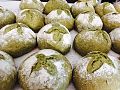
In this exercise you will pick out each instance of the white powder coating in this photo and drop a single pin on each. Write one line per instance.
(54, 15)
(27, 36)
(31, 4)
(1, 12)
(62, 16)
(85, 18)
(8, 58)
(110, 7)
(21, 15)
(5, 13)
(83, 21)
(6, 65)
(31, 17)
(41, 79)
(105, 71)
(30, 1)
(93, 2)
(104, 8)
(117, 6)
(47, 52)
(81, 5)
(91, 35)
(43, 35)
(115, 34)
(112, 17)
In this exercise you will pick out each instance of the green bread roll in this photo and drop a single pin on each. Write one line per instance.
(45, 70)
(88, 21)
(111, 21)
(6, 17)
(63, 17)
(117, 6)
(88, 41)
(56, 4)
(115, 38)
(31, 4)
(8, 72)
(32, 18)
(92, 2)
(81, 7)
(54, 36)
(104, 8)
(17, 39)
(96, 71)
